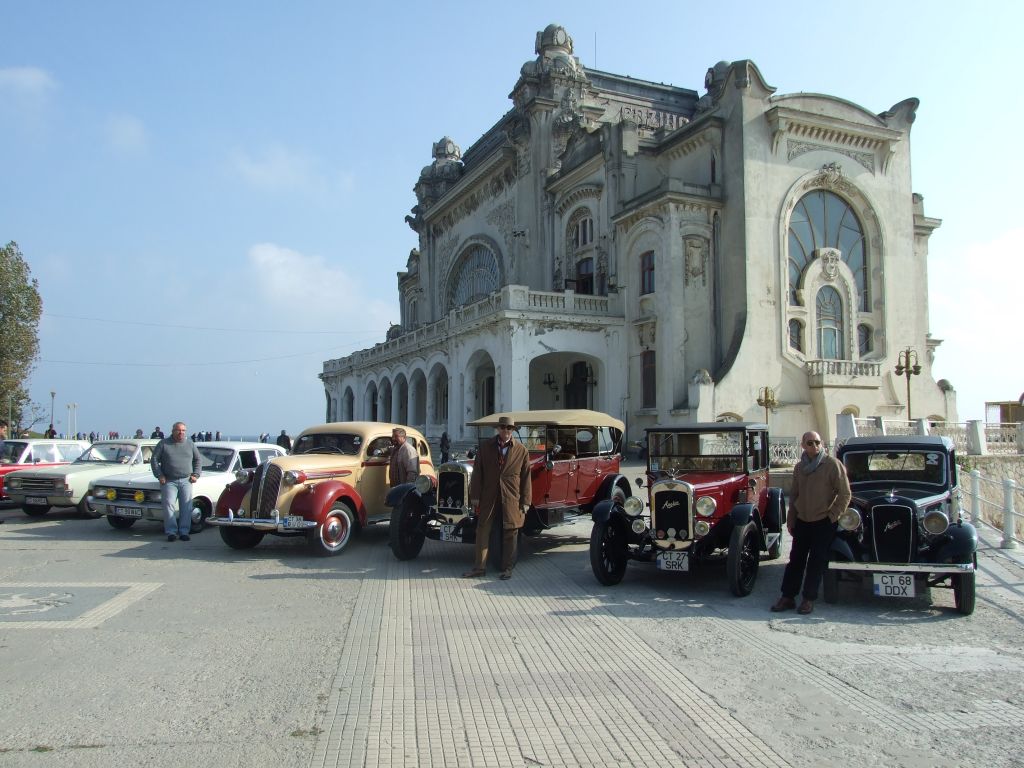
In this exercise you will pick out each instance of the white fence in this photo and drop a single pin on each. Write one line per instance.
(1005, 515)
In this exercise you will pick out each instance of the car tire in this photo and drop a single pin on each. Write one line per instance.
(120, 523)
(199, 521)
(743, 560)
(87, 510)
(964, 592)
(240, 538)
(608, 552)
(830, 586)
(334, 533)
(404, 534)
(35, 510)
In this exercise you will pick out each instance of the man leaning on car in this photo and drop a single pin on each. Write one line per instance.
(176, 464)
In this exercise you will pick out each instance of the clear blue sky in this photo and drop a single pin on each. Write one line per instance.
(212, 194)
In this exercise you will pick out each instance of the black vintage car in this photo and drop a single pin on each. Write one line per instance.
(905, 526)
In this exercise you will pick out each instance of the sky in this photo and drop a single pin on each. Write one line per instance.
(212, 194)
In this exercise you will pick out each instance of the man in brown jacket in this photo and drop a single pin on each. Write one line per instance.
(820, 494)
(500, 490)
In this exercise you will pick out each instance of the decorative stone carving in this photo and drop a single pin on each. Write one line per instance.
(701, 376)
(714, 82)
(502, 216)
(829, 258)
(797, 148)
(697, 251)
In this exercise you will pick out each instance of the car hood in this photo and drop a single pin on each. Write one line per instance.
(869, 492)
(146, 480)
(322, 461)
(93, 467)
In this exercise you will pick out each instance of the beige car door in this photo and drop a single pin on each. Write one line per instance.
(373, 482)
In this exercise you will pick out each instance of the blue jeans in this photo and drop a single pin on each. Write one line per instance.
(179, 490)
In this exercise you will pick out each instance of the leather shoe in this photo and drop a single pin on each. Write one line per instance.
(185, 537)
(784, 604)
(476, 573)
(171, 537)
(506, 574)
(806, 607)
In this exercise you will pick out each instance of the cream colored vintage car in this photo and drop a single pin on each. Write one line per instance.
(334, 482)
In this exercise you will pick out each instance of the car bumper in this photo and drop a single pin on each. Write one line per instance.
(52, 500)
(838, 565)
(128, 509)
(287, 524)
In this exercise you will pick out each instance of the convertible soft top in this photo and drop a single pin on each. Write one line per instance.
(578, 417)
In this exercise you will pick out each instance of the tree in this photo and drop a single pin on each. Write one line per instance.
(20, 310)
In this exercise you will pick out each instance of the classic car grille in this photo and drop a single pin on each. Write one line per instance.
(671, 509)
(36, 485)
(266, 483)
(892, 533)
(126, 494)
(451, 490)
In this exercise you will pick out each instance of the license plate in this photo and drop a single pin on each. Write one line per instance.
(36, 500)
(295, 521)
(448, 533)
(128, 511)
(673, 561)
(894, 584)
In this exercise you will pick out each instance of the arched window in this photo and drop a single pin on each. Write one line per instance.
(829, 308)
(477, 277)
(585, 276)
(824, 220)
(583, 234)
(647, 273)
(864, 346)
(796, 335)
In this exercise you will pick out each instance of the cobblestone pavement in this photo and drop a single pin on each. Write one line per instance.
(121, 649)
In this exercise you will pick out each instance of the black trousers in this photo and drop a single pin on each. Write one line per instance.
(808, 557)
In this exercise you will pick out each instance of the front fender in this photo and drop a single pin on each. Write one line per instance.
(775, 511)
(841, 550)
(398, 493)
(606, 509)
(313, 504)
(961, 546)
(231, 498)
(742, 514)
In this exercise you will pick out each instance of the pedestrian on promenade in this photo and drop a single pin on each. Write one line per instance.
(284, 441)
(446, 447)
(3, 436)
(176, 464)
(404, 464)
(501, 493)
(820, 494)
(158, 434)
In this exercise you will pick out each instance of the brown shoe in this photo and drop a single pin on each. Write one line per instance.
(784, 604)
(476, 573)
(806, 607)
(506, 574)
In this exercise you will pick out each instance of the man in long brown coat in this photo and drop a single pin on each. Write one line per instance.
(500, 490)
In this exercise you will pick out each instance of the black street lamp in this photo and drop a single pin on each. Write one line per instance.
(52, 396)
(907, 365)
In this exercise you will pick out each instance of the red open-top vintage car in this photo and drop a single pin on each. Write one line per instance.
(574, 464)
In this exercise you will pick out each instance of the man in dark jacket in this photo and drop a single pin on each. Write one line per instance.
(284, 441)
(500, 490)
(176, 464)
(820, 494)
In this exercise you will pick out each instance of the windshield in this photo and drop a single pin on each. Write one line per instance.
(333, 442)
(896, 466)
(120, 453)
(215, 459)
(695, 451)
(11, 451)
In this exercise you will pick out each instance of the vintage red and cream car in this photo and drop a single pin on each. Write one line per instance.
(574, 464)
(708, 498)
(25, 453)
(334, 482)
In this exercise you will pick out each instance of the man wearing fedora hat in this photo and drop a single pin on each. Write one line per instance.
(501, 492)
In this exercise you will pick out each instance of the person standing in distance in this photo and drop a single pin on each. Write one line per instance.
(284, 441)
(404, 464)
(176, 464)
(3, 437)
(820, 494)
(501, 492)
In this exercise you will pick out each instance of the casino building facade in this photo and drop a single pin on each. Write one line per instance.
(662, 255)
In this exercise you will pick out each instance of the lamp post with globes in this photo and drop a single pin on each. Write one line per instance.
(766, 399)
(907, 365)
(52, 396)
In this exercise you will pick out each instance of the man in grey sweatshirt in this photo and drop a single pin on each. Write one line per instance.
(176, 464)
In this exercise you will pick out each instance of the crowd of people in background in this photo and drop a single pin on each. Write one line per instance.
(157, 434)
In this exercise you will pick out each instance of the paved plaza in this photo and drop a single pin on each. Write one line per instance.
(118, 648)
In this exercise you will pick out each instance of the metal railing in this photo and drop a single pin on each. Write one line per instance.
(1005, 515)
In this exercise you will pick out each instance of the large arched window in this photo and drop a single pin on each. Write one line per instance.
(585, 276)
(476, 277)
(829, 307)
(822, 219)
(647, 273)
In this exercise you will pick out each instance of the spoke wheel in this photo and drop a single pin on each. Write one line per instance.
(404, 535)
(744, 558)
(608, 554)
(334, 533)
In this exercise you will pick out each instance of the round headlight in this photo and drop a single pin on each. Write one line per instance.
(14, 483)
(139, 496)
(241, 476)
(849, 520)
(110, 494)
(935, 522)
(701, 528)
(291, 477)
(639, 525)
(706, 506)
(633, 506)
(424, 483)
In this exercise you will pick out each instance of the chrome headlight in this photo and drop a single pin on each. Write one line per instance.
(155, 496)
(935, 522)
(14, 482)
(424, 484)
(706, 506)
(701, 528)
(291, 477)
(633, 506)
(639, 525)
(849, 520)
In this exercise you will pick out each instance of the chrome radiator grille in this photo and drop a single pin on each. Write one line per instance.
(266, 483)
(42, 485)
(892, 533)
(671, 509)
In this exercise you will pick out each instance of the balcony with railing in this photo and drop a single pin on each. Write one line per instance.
(842, 373)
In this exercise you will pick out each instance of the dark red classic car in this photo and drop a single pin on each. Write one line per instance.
(708, 497)
(574, 465)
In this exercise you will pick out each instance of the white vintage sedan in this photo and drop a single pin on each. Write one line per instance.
(125, 498)
(36, 490)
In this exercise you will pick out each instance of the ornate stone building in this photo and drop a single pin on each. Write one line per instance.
(660, 255)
